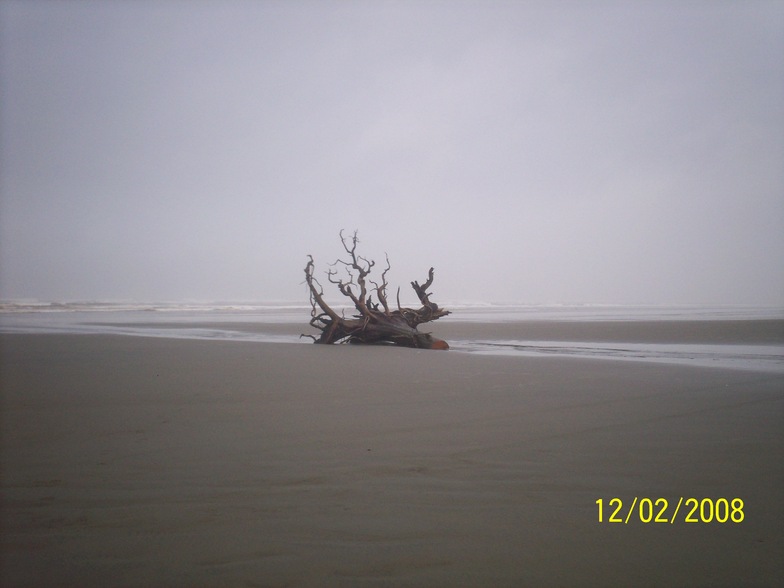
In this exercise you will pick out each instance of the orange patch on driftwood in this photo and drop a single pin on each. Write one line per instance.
(440, 344)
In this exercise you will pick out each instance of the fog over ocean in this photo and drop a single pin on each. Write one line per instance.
(580, 152)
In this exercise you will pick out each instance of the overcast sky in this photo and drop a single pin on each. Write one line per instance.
(544, 152)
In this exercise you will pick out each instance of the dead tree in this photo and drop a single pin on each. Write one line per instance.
(375, 322)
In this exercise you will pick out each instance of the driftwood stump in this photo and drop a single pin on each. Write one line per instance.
(375, 323)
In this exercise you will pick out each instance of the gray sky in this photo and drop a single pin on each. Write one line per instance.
(596, 152)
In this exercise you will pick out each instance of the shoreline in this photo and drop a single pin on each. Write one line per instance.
(753, 345)
(752, 331)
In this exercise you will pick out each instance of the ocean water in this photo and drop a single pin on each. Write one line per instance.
(214, 321)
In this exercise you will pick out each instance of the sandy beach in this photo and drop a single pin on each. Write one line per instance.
(134, 461)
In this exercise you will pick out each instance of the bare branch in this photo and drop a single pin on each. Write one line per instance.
(316, 295)
(381, 291)
(362, 272)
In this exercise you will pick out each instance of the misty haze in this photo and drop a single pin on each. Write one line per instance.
(575, 152)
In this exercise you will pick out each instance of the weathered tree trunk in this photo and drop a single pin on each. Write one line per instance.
(375, 323)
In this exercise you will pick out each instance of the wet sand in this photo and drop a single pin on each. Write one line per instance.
(738, 332)
(131, 461)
